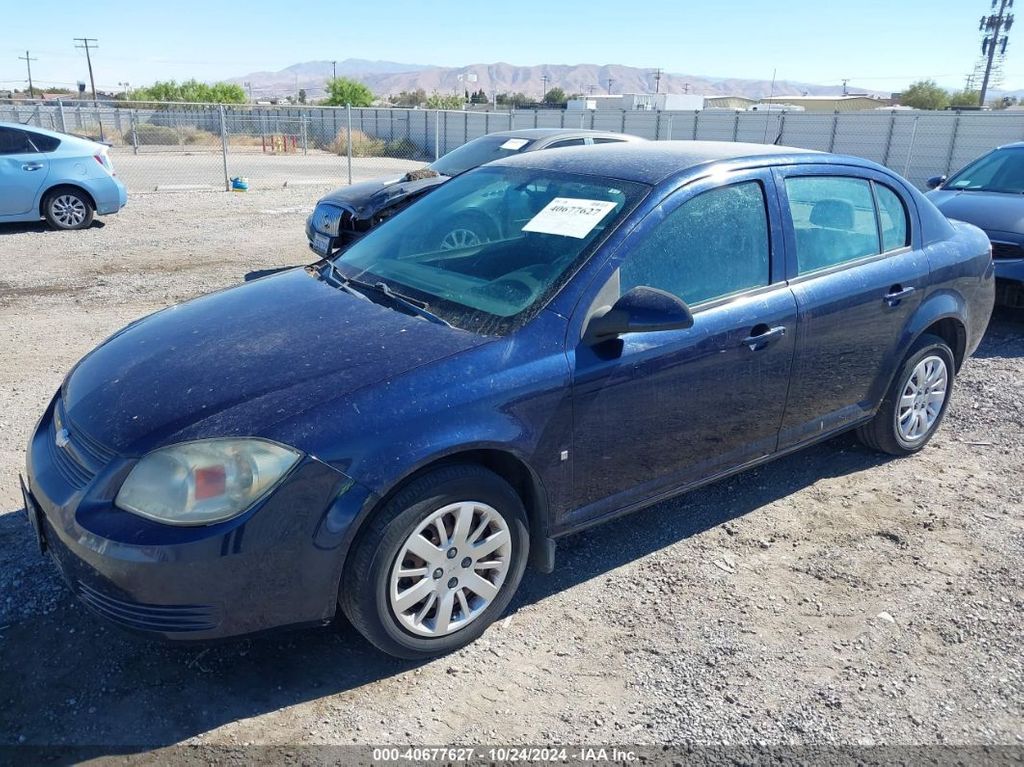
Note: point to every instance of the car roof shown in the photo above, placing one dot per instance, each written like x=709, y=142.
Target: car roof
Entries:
x=650, y=162
x=539, y=133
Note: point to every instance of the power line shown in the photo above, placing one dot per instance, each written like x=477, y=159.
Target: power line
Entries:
x=28, y=63
x=85, y=44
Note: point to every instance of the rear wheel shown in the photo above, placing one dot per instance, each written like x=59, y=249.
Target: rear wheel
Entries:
x=472, y=230
x=438, y=564
x=68, y=209
x=916, y=401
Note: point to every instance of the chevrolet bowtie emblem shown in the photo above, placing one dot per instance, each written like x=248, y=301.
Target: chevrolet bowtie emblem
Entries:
x=63, y=438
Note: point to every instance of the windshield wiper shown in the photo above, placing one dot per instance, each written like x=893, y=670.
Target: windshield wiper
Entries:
x=359, y=288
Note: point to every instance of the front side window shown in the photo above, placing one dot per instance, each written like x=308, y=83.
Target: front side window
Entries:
x=712, y=245
x=530, y=228
x=834, y=220
x=14, y=141
x=998, y=171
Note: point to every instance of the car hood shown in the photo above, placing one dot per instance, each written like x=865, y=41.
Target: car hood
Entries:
x=369, y=197
x=991, y=211
x=235, y=363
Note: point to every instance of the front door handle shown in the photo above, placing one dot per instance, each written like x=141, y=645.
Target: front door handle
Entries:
x=32, y=166
x=897, y=293
x=762, y=335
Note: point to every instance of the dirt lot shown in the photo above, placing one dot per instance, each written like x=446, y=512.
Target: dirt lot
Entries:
x=834, y=596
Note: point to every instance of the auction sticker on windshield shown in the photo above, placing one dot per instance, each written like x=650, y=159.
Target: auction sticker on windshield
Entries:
x=569, y=217
x=515, y=144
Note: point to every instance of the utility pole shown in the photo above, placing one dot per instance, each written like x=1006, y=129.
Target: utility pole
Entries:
x=544, y=82
x=992, y=25
x=610, y=82
x=334, y=68
x=657, y=80
x=846, y=91
x=248, y=86
x=85, y=41
x=28, y=62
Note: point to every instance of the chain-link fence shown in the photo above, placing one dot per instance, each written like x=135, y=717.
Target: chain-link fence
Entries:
x=189, y=146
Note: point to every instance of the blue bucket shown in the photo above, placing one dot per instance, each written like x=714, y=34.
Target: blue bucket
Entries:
x=239, y=184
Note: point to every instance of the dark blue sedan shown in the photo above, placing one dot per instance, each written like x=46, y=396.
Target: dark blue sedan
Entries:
x=988, y=193
x=401, y=429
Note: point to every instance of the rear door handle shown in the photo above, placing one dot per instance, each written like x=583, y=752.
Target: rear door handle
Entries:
x=897, y=293
x=32, y=166
x=762, y=335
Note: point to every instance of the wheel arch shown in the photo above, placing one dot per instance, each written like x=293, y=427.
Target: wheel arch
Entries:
x=64, y=185
x=943, y=314
x=506, y=464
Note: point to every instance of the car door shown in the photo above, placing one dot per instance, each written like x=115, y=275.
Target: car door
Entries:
x=857, y=277
x=22, y=172
x=657, y=410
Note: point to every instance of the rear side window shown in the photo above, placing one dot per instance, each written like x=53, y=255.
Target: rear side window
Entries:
x=834, y=219
x=14, y=141
x=567, y=142
x=44, y=143
x=712, y=245
x=892, y=219
x=607, y=140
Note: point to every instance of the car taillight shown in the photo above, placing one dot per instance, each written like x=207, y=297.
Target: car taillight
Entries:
x=103, y=160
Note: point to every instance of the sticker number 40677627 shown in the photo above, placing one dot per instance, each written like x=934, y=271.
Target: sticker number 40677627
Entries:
x=569, y=217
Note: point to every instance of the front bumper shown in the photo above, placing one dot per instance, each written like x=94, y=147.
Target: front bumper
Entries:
x=277, y=564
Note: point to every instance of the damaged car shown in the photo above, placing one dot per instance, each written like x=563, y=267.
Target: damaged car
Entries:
x=347, y=213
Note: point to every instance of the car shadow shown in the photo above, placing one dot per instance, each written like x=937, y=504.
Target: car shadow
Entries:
x=22, y=227
x=72, y=680
x=1005, y=334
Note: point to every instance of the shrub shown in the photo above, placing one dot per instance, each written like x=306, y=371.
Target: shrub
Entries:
x=152, y=134
x=363, y=145
x=403, y=149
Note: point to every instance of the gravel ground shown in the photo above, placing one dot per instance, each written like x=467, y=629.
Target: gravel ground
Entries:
x=832, y=597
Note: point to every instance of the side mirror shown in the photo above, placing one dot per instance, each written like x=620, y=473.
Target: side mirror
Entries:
x=935, y=182
x=641, y=310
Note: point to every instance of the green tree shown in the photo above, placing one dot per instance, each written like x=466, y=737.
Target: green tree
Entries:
x=192, y=91
x=479, y=97
x=925, y=94
x=440, y=101
x=964, y=98
x=343, y=90
x=416, y=98
x=555, y=96
x=302, y=95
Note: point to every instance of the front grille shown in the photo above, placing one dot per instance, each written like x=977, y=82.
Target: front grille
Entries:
x=81, y=457
x=144, y=617
x=1006, y=250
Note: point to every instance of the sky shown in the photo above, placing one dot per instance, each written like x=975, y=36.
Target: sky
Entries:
x=878, y=44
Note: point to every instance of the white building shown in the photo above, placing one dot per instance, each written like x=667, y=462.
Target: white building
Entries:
x=639, y=102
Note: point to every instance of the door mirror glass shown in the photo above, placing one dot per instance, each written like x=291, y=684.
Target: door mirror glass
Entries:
x=641, y=310
x=936, y=181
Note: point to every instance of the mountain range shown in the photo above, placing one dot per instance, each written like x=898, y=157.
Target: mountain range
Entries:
x=390, y=77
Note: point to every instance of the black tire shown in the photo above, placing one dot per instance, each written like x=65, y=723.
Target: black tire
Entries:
x=365, y=583
x=881, y=433
x=67, y=209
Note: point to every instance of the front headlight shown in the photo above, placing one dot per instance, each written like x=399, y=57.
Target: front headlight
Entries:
x=198, y=483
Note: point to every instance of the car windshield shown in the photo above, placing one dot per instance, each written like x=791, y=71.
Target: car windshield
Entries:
x=486, y=250
x=478, y=152
x=999, y=171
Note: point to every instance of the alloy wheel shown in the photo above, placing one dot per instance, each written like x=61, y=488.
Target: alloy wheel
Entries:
x=460, y=238
x=450, y=569
x=68, y=210
x=922, y=398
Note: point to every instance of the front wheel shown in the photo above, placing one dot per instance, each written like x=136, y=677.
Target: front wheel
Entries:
x=68, y=209
x=916, y=401
x=438, y=563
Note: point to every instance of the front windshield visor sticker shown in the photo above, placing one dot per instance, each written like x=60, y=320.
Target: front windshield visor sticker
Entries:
x=569, y=217
x=515, y=144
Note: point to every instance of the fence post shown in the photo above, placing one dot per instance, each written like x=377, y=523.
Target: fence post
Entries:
x=835, y=127
x=512, y=118
x=888, y=139
x=134, y=115
x=348, y=116
x=910, y=149
x=224, y=147
x=305, y=142
x=782, y=127
x=736, y=127
x=952, y=143
x=696, y=120
x=60, y=111
x=668, y=129
x=437, y=133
